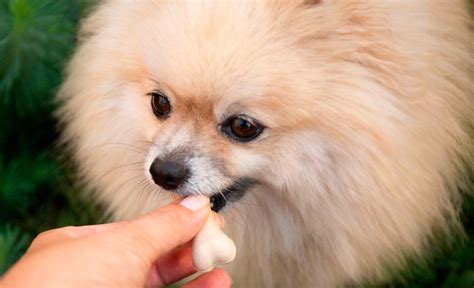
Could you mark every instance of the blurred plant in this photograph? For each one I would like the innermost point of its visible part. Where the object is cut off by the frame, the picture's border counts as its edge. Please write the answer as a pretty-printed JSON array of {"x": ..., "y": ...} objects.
[
  {"x": 16, "y": 193},
  {"x": 35, "y": 38},
  {"x": 12, "y": 245}
]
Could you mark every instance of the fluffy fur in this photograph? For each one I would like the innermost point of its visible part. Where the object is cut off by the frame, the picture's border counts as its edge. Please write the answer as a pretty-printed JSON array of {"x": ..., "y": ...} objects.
[{"x": 366, "y": 103}]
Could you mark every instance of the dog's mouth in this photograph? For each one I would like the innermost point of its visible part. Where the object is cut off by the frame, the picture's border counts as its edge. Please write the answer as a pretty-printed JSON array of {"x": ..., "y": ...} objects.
[{"x": 231, "y": 194}]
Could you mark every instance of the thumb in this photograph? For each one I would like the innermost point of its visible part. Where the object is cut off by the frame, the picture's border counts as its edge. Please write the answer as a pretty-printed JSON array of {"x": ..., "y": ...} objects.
[{"x": 161, "y": 231}]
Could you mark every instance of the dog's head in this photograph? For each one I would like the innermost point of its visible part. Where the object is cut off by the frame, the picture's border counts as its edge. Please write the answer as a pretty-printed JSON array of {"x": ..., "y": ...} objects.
[
  {"x": 215, "y": 98},
  {"x": 220, "y": 97}
]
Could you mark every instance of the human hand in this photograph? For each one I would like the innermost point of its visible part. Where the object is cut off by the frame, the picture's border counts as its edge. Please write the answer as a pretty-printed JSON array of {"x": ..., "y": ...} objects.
[{"x": 151, "y": 251}]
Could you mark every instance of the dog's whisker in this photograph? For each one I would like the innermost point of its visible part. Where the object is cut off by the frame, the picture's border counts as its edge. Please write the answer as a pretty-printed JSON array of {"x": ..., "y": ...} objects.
[
  {"x": 123, "y": 167},
  {"x": 128, "y": 181},
  {"x": 140, "y": 192},
  {"x": 129, "y": 147}
]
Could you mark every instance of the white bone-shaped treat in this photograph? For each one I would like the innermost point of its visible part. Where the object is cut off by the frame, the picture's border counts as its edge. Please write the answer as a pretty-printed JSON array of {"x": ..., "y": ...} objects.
[{"x": 211, "y": 247}]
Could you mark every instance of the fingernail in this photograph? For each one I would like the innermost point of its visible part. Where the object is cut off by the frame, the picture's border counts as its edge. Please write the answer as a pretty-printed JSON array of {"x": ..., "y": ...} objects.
[{"x": 194, "y": 203}]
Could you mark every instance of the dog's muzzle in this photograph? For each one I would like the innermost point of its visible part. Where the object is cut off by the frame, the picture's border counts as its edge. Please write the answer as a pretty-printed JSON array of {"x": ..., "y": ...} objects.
[{"x": 171, "y": 175}]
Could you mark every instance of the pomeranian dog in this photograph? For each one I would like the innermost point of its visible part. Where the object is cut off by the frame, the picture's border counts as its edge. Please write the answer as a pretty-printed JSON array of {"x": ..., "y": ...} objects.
[{"x": 332, "y": 134}]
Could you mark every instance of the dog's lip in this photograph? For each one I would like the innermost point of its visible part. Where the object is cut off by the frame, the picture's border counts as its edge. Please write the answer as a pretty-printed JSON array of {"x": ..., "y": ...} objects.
[
  {"x": 232, "y": 193},
  {"x": 218, "y": 202}
]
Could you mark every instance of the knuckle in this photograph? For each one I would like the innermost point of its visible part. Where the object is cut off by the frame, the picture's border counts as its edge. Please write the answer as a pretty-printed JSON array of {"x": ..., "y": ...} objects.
[{"x": 48, "y": 233}]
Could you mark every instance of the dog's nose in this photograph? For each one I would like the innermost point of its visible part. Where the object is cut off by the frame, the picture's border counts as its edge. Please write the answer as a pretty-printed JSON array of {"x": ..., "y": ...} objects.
[{"x": 168, "y": 174}]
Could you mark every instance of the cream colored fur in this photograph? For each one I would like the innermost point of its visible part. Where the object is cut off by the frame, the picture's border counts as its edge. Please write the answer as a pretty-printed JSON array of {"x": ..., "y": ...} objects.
[{"x": 367, "y": 105}]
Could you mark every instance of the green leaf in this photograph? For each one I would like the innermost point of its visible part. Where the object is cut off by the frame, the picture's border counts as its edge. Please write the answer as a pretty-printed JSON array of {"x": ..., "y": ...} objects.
[
  {"x": 35, "y": 38},
  {"x": 12, "y": 245},
  {"x": 21, "y": 180}
]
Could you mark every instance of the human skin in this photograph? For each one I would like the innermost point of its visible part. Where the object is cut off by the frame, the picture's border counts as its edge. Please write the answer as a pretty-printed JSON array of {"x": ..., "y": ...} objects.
[{"x": 151, "y": 251}]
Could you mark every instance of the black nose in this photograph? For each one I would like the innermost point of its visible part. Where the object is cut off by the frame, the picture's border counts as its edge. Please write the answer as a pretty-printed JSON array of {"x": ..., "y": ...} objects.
[{"x": 168, "y": 174}]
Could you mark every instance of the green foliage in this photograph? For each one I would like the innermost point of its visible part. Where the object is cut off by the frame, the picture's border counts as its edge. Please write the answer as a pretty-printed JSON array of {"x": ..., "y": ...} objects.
[
  {"x": 36, "y": 37},
  {"x": 36, "y": 194},
  {"x": 12, "y": 245},
  {"x": 17, "y": 195}
]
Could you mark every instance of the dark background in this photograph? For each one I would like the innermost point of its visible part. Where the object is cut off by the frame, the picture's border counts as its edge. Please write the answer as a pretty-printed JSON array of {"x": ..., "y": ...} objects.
[{"x": 36, "y": 188}]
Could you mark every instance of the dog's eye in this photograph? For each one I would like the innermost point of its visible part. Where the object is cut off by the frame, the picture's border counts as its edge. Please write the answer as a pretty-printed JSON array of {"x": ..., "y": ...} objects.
[
  {"x": 241, "y": 128},
  {"x": 160, "y": 104}
]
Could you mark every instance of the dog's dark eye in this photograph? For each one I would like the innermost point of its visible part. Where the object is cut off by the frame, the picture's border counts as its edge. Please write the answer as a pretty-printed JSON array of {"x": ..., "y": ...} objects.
[
  {"x": 160, "y": 104},
  {"x": 241, "y": 128}
]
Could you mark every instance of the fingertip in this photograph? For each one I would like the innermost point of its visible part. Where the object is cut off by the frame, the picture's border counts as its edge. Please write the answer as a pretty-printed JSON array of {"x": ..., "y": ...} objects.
[
  {"x": 217, "y": 278},
  {"x": 171, "y": 268},
  {"x": 223, "y": 277}
]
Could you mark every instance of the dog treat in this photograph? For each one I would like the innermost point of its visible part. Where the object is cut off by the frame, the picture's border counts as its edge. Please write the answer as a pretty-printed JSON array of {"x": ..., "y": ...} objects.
[{"x": 211, "y": 247}]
